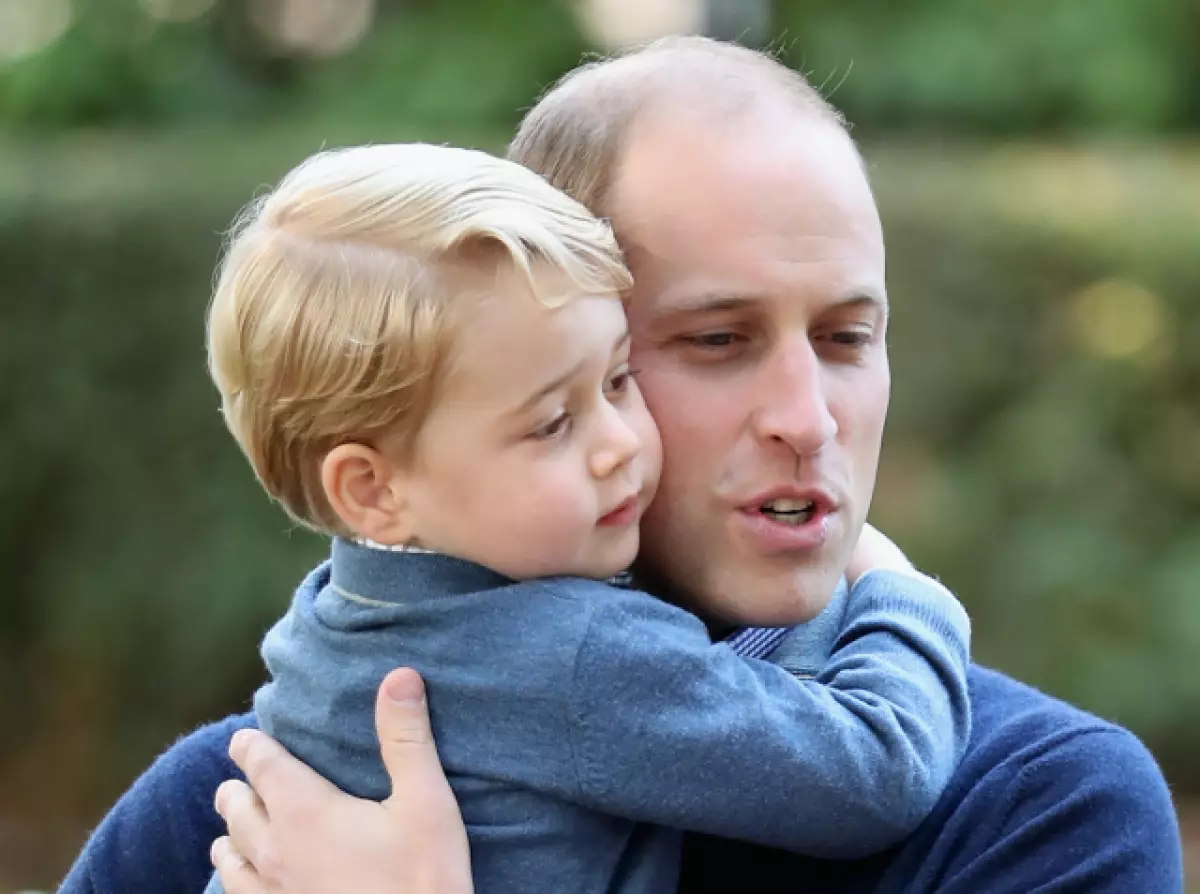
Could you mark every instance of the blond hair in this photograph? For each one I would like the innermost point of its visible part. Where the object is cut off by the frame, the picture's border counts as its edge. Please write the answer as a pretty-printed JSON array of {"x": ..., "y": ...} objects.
[
  {"x": 575, "y": 135},
  {"x": 340, "y": 293}
]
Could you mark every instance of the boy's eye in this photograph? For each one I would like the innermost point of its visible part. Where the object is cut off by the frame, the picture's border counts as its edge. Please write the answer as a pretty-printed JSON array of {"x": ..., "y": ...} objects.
[
  {"x": 619, "y": 382},
  {"x": 554, "y": 428}
]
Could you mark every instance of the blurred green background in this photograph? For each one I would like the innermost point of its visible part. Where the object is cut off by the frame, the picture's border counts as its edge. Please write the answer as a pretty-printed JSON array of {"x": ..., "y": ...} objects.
[{"x": 1038, "y": 170}]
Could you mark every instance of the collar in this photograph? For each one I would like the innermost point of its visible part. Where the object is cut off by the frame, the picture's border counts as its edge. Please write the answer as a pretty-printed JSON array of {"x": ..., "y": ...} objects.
[{"x": 405, "y": 575}]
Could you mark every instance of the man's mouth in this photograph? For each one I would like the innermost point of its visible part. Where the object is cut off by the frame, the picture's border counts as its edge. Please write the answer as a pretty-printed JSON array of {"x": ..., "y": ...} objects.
[{"x": 789, "y": 512}]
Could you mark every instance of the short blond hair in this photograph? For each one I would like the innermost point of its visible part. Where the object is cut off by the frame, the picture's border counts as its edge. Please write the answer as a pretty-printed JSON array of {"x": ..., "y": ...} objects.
[
  {"x": 334, "y": 315},
  {"x": 576, "y": 134}
]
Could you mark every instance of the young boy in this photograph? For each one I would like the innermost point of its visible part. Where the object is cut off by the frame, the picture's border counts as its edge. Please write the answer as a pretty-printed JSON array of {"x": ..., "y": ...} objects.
[{"x": 423, "y": 353}]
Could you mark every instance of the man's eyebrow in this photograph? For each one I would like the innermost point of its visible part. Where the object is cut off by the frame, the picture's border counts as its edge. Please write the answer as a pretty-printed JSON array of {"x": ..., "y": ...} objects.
[
  {"x": 559, "y": 381},
  {"x": 704, "y": 302},
  {"x": 715, "y": 302},
  {"x": 867, "y": 300}
]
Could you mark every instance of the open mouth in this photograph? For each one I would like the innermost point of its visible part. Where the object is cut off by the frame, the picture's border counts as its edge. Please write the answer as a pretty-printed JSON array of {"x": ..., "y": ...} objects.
[{"x": 789, "y": 512}]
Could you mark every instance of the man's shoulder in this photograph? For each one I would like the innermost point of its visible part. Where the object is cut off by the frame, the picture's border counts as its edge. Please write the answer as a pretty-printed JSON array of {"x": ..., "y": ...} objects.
[
  {"x": 203, "y": 752},
  {"x": 1047, "y": 796},
  {"x": 156, "y": 836},
  {"x": 1044, "y": 753},
  {"x": 1043, "y": 781},
  {"x": 1007, "y": 713}
]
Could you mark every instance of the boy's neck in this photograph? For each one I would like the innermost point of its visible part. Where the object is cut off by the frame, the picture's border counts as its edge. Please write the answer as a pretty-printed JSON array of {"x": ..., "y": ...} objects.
[{"x": 394, "y": 547}]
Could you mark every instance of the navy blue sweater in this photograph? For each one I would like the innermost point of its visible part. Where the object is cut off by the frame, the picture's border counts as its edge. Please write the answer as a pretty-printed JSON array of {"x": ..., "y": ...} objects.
[{"x": 1047, "y": 799}]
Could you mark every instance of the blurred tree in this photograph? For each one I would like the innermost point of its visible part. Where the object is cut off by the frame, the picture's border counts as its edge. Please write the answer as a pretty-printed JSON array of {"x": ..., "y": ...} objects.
[
  {"x": 1016, "y": 67},
  {"x": 123, "y": 62},
  {"x": 949, "y": 65}
]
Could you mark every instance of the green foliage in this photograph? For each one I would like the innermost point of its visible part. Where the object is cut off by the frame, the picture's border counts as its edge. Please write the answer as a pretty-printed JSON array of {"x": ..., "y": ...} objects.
[
  {"x": 1014, "y": 67},
  {"x": 446, "y": 61},
  {"x": 113, "y": 65},
  {"x": 949, "y": 65},
  {"x": 138, "y": 555}
]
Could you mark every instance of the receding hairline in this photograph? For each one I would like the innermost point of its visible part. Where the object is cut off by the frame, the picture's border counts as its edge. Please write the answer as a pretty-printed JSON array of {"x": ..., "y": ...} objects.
[{"x": 577, "y": 134}]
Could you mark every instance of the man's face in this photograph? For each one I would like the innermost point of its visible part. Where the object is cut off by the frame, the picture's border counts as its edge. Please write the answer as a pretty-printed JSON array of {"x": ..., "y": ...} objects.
[{"x": 758, "y": 318}]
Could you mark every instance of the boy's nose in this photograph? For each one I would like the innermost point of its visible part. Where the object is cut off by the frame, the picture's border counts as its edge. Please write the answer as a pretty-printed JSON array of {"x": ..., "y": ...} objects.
[{"x": 618, "y": 445}]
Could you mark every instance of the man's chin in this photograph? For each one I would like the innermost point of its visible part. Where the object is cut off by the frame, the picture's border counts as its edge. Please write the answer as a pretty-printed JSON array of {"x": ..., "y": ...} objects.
[
  {"x": 797, "y": 597},
  {"x": 744, "y": 593},
  {"x": 769, "y": 601}
]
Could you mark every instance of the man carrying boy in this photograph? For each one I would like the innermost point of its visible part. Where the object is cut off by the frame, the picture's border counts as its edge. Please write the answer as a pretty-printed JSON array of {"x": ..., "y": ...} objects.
[
  {"x": 755, "y": 247},
  {"x": 423, "y": 352}
]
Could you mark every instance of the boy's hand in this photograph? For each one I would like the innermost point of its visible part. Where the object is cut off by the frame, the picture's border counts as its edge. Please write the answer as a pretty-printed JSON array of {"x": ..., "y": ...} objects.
[
  {"x": 292, "y": 832},
  {"x": 874, "y": 550}
]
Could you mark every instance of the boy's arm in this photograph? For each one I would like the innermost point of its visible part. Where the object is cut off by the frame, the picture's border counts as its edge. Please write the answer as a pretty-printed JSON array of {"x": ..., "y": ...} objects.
[
  {"x": 673, "y": 730},
  {"x": 156, "y": 839}
]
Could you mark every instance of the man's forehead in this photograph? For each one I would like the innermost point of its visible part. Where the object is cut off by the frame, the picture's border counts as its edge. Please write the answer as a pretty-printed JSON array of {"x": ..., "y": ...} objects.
[
  {"x": 682, "y": 276},
  {"x": 734, "y": 220},
  {"x": 802, "y": 179},
  {"x": 671, "y": 139},
  {"x": 684, "y": 305}
]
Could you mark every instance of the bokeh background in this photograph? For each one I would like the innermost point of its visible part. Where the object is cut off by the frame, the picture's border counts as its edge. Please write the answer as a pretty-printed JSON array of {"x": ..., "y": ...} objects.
[{"x": 1038, "y": 170}]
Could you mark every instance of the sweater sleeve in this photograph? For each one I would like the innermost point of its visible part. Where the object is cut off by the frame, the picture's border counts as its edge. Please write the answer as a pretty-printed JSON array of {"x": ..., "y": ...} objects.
[
  {"x": 156, "y": 839},
  {"x": 1086, "y": 811},
  {"x": 673, "y": 730}
]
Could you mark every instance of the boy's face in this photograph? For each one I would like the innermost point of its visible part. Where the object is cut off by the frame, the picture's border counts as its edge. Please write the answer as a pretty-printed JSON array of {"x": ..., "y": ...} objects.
[{"x": 540, "y": 456}]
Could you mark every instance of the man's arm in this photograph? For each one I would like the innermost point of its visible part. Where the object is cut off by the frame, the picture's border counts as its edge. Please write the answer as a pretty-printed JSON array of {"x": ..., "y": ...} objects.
[
  {"x": 155, "y": 839},
  {"x": 668, "y": 729},
  {"x": 1091, "y": 815},
  {"x": 1048, "y": 798}
]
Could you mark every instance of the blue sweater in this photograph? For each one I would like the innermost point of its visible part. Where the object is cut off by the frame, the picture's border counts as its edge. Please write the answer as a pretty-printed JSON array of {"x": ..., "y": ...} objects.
[
  {"x": 1046, "y": 798},
  {"x": 570, "y": 714}
]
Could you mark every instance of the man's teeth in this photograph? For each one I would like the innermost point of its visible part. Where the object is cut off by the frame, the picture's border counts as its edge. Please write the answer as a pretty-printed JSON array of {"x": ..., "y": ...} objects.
[{"x": 791, "y": 512}]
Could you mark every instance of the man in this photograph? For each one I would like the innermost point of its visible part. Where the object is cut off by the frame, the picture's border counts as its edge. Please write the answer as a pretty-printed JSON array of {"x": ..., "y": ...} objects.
[{"x": 758, "y": 318}]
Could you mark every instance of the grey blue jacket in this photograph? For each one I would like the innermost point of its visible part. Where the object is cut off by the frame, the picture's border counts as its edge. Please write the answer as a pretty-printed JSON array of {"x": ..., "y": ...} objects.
[{"x": 583, "y": 725}]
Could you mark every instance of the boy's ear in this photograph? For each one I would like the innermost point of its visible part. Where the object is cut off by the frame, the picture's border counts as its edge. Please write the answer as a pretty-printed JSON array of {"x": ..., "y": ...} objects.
[{"x": 366, "y": 490}]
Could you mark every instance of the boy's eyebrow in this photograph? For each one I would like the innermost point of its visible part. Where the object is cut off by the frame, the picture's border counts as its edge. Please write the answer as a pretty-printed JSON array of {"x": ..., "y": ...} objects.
[
  {"x": 549, "y": 388},
  {"x": 559, "y": 381}
]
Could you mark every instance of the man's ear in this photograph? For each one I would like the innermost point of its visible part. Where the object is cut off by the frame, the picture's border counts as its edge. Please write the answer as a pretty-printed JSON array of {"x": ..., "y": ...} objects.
[{"x": 366, "y": 490}]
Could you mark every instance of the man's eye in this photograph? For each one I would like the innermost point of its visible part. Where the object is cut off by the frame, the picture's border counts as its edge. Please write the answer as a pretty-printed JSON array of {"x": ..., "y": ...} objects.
[
  {"x": 712, "y": 339},
  {"x": 854, "y": 338},
  {"x": 555, "y": 428}
]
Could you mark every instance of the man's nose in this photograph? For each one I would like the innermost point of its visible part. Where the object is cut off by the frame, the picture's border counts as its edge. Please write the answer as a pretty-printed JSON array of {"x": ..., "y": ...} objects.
[
  {"x": 793, "y": 404},
  {"x": 617, "y": 443}
]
